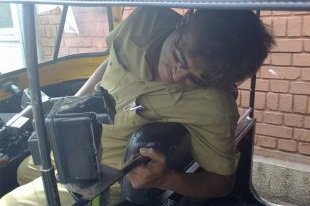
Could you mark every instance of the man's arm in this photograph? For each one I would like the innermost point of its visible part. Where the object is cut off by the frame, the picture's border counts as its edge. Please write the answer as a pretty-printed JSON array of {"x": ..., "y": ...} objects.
[
  {"x": 200, "y": 185},
  {"x": 94, "y": 79}
]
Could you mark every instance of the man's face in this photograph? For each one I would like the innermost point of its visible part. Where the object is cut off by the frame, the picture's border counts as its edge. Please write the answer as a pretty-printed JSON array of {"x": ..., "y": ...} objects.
[{"x": 176, "y": 65}]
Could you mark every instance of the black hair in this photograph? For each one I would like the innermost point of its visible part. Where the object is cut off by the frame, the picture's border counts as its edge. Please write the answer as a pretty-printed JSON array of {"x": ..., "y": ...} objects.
[{"x": 232, "y": 43}]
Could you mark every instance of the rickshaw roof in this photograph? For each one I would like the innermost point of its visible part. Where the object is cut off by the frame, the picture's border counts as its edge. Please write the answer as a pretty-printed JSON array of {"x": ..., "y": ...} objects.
[{"x": 211, "y": 4}]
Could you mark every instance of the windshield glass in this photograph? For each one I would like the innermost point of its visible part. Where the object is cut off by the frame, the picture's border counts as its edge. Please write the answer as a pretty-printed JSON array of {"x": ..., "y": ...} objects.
[
  {"x": 47, "y": 26},
  {"x": 85, "y": 30},
  {"x": 11, "y": 45}
]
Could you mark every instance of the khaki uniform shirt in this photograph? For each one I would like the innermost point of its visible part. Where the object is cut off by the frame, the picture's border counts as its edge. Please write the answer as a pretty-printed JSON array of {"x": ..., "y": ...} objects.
[{"x": 210, "y": 115}]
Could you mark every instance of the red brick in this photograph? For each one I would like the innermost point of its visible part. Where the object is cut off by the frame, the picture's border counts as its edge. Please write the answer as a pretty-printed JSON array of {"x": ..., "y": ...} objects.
[
  {"x": 48, "y": 32},
  {"x": 287, "y": 145},
  {"x": 265, "y": 13},
  {"x": 272, "y": 101},
  {"x": 258, "y": 74},
  {"x": 300, "y": 104},
  {"x": 279, "y": 26},
  {"x": 281, "y": 13},
  {"x": 46, "y": 58},
  {"x": 300, "y": 88},
  {"x": 274, "y": 130},
  {"x": 73, "y": 50},
  {"x": 280, "y": 73},
  {"x": 42, "y": 31},
  {"x": 306, "y": 26},
  {"x": 62, "y": 43},
  {"x": 293, "y": 120},
  {"x": 238, "y": 100},
  {"x": 57, "y": 10},
  {"x": 241, "y": 111},
  {"x": 279, "y": 86},
  {"x": 301, "y": 12},
  {"x": 245, "y": 98},
  {"x": 308, "y": 110},
  {"x": 267, "y": 61},
  {"x": 54, "y": 30},
  {"x": 255, "y": 139},
  {"x": 306, "y": 45},
  {"x": 307, "y": 123},
  {"x": 73, "y": 42},
  {"x": 304, "y": 148},
  {"x": 267, "y": 21},
  {"x": 305, "y": 74},
  {"x": 262, "y": 85},
  {"x": 98, "y": 42},
  {"x": 302, "y": 135},
  {"x": 54, "y": 19},
  {"x": 258, "y": 115},
  {"x": 273, "y": 118},
  {"x": 283, "y": 59},
  {"x": 245, "y": 85},
  {"x": 67, "y": 35},
  {"x": 260, "y": 100},
  {"x": 63, "y": 51},
  {"x": 47, "y": 51},
  {"x": 48, "y": 42},
  {"x": 301, "y": 59},
  {"x": 288, "y": 45},
  {"x": 87, "y": 42},
  {"x": 268, "y": 142},
  {"x": 43, "y": 20},
  {"x": 286, "y": 102},
  {"x": 294, "y": 26},
  {"x": 87, "y": 50}
]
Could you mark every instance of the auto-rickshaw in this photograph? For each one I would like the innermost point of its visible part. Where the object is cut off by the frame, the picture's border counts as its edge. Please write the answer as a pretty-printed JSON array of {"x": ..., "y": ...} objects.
[{"x": 63, "y": 75}]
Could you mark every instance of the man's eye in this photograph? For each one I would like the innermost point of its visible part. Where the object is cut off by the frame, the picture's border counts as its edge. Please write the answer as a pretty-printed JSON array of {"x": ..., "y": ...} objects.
[{"x": 197, "y": 81}]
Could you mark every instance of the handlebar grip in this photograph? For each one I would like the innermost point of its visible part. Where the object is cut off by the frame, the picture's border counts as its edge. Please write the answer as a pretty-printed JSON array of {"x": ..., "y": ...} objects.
[{"x": 135, "y": 161}]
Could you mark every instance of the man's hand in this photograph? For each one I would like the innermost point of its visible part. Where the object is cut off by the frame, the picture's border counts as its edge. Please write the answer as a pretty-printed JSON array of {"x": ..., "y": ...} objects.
[
  {"x": 152, "y": 175},
  {"x": 156, "y": 174}
]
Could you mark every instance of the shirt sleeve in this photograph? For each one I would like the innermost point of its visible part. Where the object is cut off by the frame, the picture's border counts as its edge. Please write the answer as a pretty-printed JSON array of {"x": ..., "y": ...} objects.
[{"x": 213, "y": 145}]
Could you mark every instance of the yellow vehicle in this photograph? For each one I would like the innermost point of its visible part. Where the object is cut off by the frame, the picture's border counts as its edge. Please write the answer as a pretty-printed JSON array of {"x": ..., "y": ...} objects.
[{"x": 60, "y": 46}]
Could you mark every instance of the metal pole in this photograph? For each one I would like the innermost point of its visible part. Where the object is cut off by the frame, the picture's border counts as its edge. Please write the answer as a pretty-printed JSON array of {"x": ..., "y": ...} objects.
[
  {"x": 110, "y": 17},
  {"x": 60, "y": 31},
  {"x": 252, "y": 87},
  {"x": 47, "y": 170},
  {"x": 252, "y": 95}
]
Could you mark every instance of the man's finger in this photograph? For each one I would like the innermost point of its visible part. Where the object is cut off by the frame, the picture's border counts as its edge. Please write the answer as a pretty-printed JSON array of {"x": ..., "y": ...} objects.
[{"x": 153, "y": 154}]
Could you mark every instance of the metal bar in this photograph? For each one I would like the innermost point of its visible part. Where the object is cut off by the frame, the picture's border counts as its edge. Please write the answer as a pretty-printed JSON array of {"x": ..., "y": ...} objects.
[
  {"x": 287, "y": 5},
  {"x": 252, "y": 96},
  {"x": 252, "y": 87},
  {"x": 47, "y": 170},
  {"x": 60, "y": 31},
  {"x": 110, "y": 17}
]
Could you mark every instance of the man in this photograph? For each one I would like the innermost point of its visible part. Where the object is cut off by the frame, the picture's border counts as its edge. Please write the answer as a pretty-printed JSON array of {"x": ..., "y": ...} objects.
[{"x": 183, "y": 74}]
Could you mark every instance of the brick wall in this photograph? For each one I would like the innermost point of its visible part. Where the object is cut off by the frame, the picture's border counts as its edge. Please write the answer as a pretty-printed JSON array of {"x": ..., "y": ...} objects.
[
  {"x": 48, "y": 26},
  {"x": 92, "y": 26},
  {"x": 283, "y": 87}
]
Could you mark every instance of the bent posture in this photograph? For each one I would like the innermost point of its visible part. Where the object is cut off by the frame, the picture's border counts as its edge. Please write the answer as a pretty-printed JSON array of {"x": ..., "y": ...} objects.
[{"x": 178, "y": 70}]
